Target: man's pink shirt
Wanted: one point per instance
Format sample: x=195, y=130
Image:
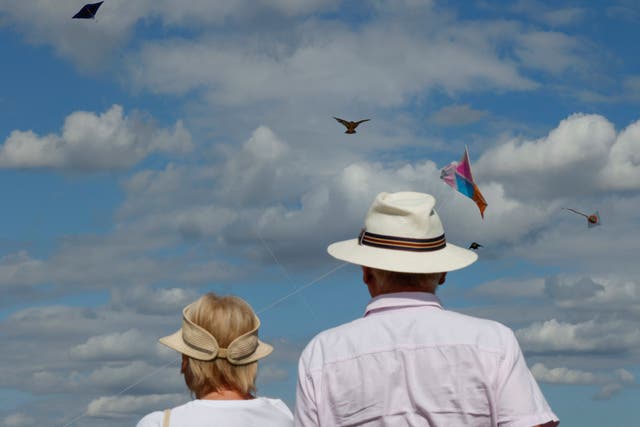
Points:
x=409, y=362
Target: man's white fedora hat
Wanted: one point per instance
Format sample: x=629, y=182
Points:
x=402, y=232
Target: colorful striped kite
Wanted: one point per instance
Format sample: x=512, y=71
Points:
x=458, y=176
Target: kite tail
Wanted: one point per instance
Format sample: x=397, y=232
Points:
x=479, y=200
x=577, y=212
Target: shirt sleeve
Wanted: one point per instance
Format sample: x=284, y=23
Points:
x=306, y=411
x=520, y=402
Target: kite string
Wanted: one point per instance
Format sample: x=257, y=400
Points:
x=301, y=288
x=262, y=310
x=286, y=272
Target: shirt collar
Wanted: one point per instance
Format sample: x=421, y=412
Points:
x=400, y=300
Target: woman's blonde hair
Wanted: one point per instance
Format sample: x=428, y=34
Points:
x=226, y=318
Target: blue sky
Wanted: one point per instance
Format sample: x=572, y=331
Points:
x=169, y=148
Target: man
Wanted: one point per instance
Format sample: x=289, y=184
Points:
x=409, y=362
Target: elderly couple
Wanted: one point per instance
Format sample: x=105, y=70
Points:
x=407, y=362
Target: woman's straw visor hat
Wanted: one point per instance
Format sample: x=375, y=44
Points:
x=198, y=343
x=403, y=233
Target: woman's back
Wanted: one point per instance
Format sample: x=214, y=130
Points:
x=260, y=411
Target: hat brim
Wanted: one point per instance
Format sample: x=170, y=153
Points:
x=449, y=258
x=175, y=342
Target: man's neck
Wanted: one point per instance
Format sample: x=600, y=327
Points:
x=376, y=293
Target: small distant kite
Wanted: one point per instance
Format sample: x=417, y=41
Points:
x=88, y=11
x=351, y=126
x=475, y=245
x=592, y=220
x=458, y=176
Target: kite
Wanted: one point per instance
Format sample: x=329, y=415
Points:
x=475, y=245
x=458, y=176
x=88, y=11
x=351, y=126
x=592, y=220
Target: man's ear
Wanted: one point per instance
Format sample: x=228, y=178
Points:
x=367, y=275
x=370, y=280
x=443, y=278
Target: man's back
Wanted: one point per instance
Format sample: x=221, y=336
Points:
x=408, y=362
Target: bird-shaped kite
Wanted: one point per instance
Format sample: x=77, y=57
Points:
x=458, y=176
x=475, y=245
x=592, y=220
x=351, y=126
x=88, y=11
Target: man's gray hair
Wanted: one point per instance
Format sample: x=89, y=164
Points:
x=388, y=280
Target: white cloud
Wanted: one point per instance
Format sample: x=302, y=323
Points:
x=626, y=90
x=91, y=43
x=552, y=52
x=610, y=383
x=19, y=268
x=114, y=346
x=18, y=420
x=457, y=115
x=565, y=16
x=506, y=288
x=51, y=319
x=580, y=289
x=566, y=238
x=267, y=189
x=507, y=219
x=82, y=359
x=579, y=140
x=88, y=43
x=582, y=156
x=622, y=171
x=616, y=294
x=608, y=390
x=261, y=168
x=375, y=64
x=563, y=375
x=117, y=378
x=91, y=142
x=624, y=376
x=554, y=17
x=202, y=12
x=605, y=337
x=125, y=258
x=143, y=299
x=159, y=191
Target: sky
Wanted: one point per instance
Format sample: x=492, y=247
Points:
x=167, y=149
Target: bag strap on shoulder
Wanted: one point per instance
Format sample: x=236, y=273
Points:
x=165, y=419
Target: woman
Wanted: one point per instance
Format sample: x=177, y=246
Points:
x=220, y=351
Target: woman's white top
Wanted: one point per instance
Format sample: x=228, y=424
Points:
x=260, y=411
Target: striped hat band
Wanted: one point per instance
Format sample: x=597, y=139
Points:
x=401, y=243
